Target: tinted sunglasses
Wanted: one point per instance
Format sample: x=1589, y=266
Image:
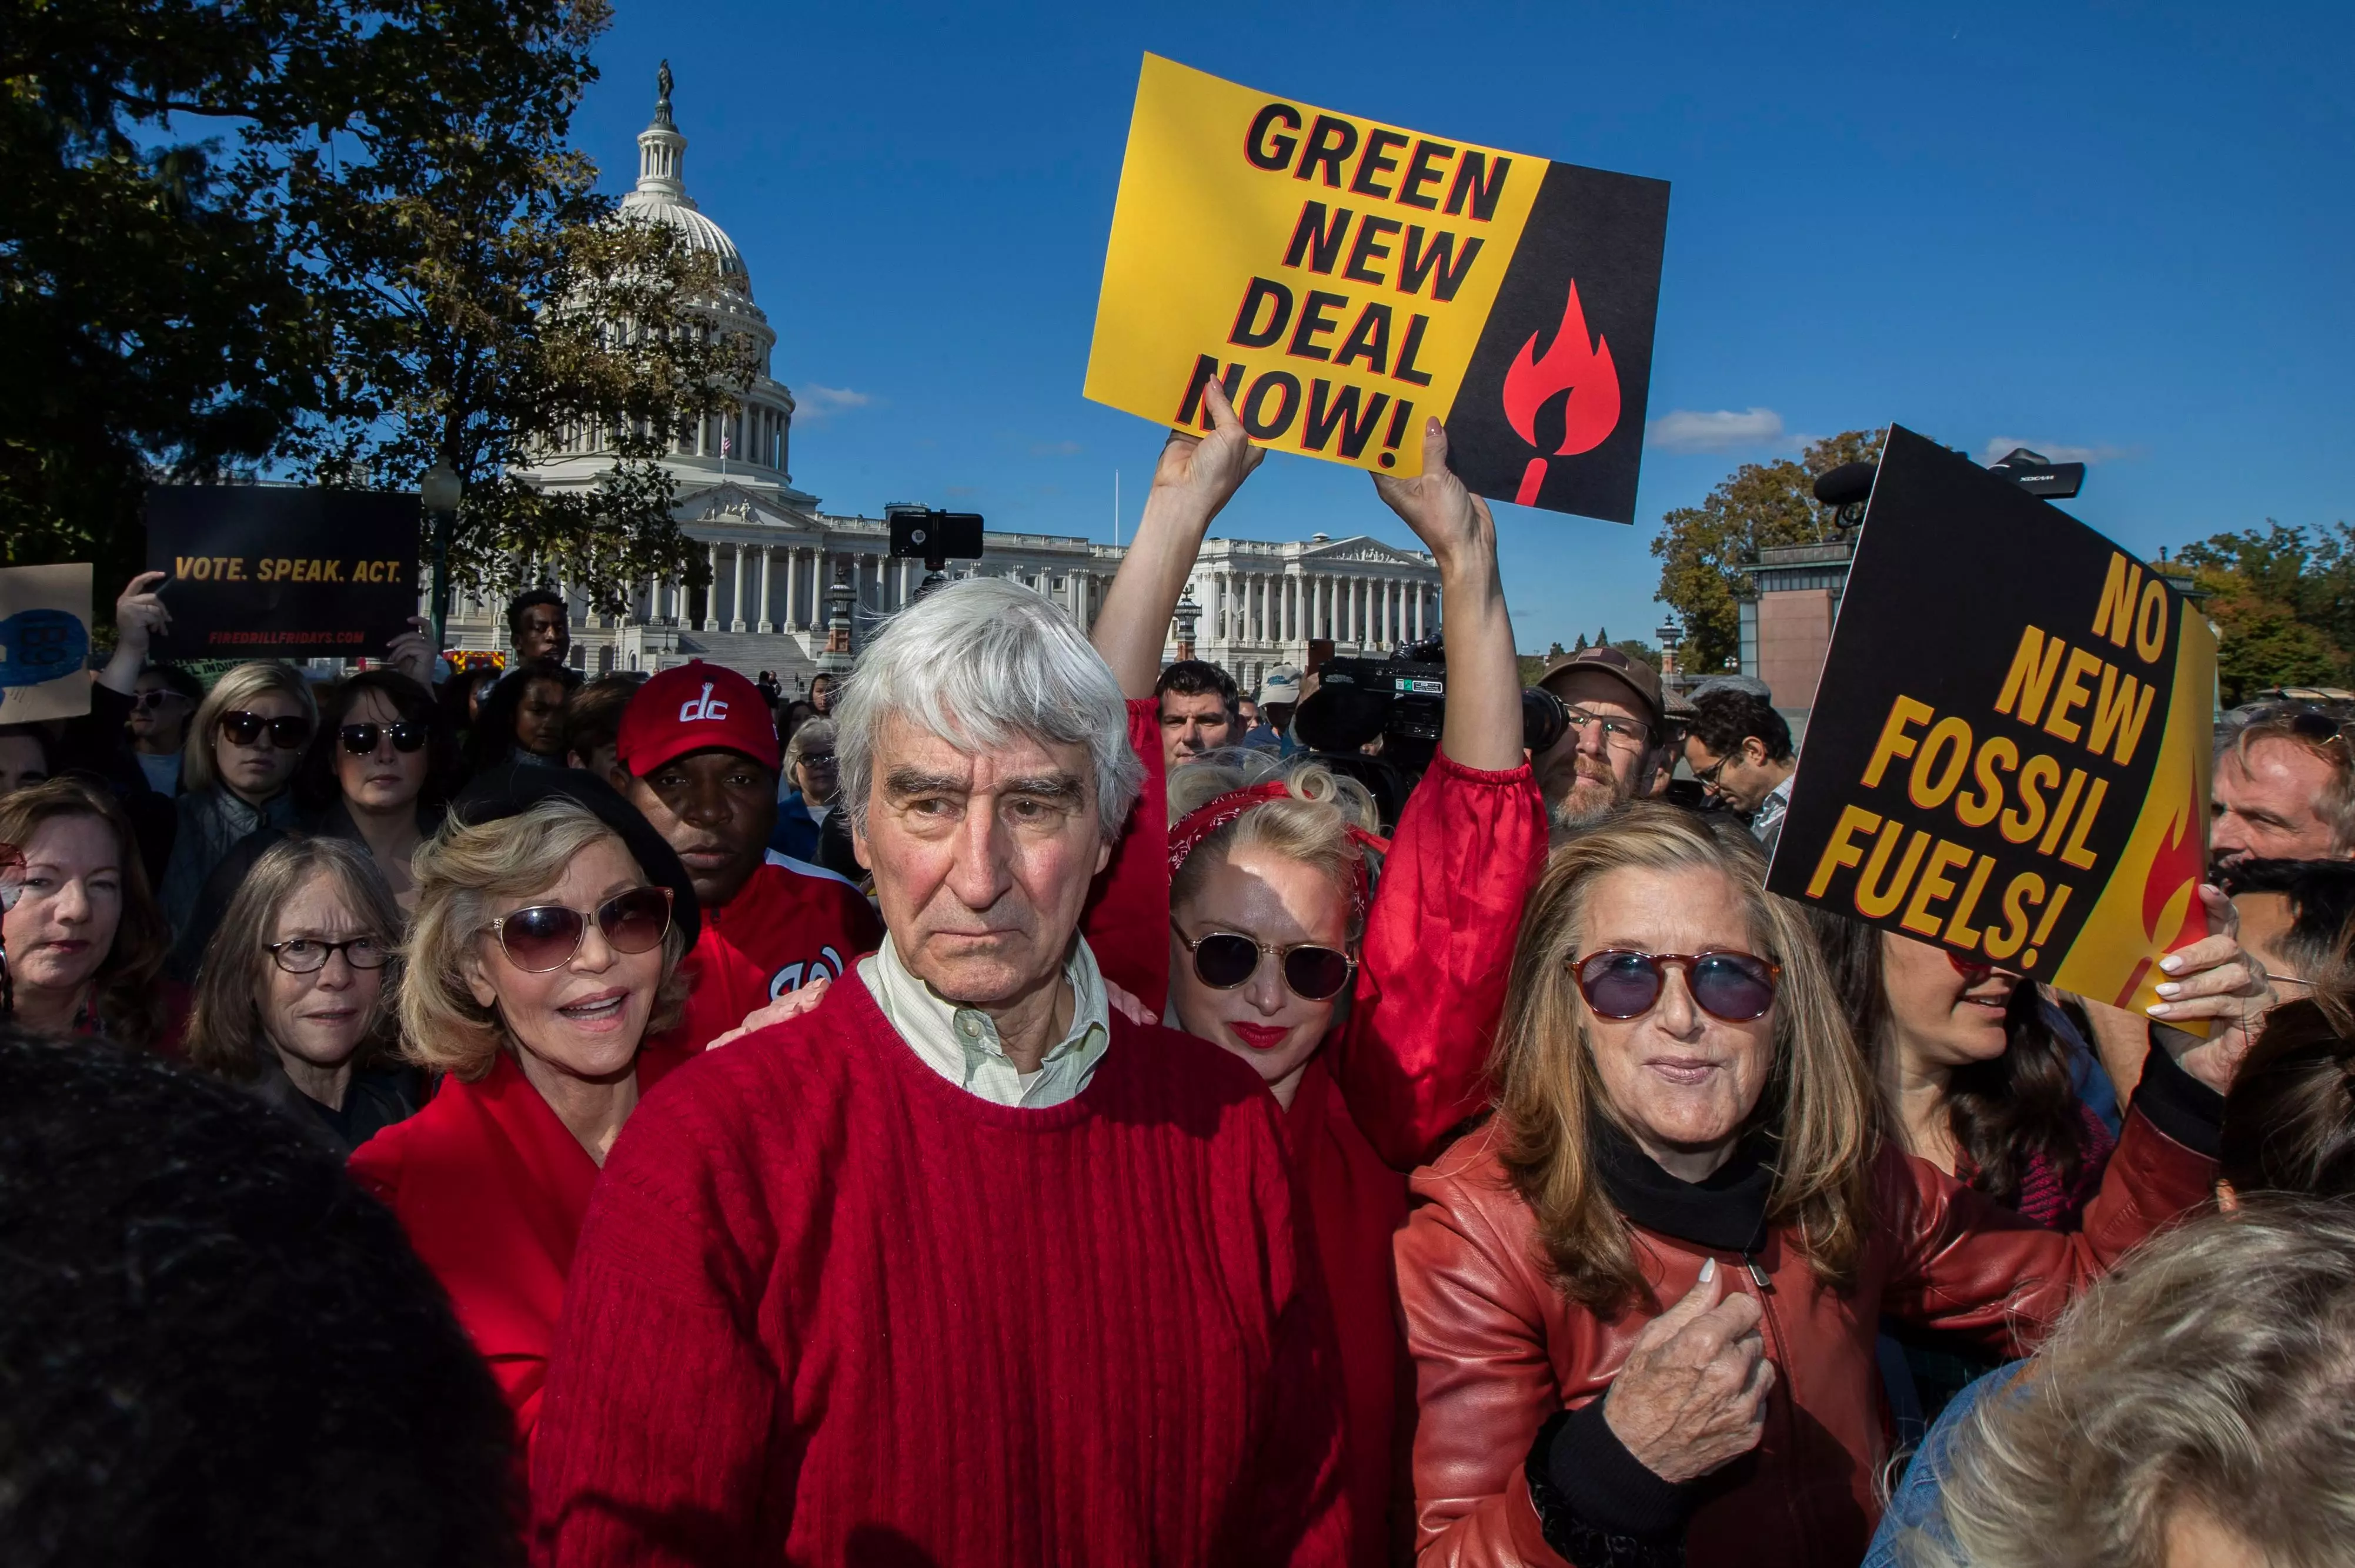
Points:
x=1224, y=961
x=360, y=740
x=244, y=728
x=157, y=698
x=541, y=937
x=1972, y=970
x=1620, y=983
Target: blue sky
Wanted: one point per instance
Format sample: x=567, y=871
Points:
x=2116, y=232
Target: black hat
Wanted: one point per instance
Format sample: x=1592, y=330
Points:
x=514, y=788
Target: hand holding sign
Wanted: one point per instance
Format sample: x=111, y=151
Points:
x=1198, y=475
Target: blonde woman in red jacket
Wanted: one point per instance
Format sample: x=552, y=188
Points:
x=1642, y=1301
x=1274, y=923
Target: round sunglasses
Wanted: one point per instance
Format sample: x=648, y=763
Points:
x=540, y=937
x=360, y=740
x=1620, y=983
x=1224, y=961
x=243, y=729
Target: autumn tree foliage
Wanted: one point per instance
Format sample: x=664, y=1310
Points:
x=2284, y=603
x=1760, y=504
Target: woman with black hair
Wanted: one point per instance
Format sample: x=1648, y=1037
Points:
x=522, y=720
x=377, y=775
x=1977, y=1079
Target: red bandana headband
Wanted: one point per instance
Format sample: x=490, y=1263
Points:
x=1206, y=820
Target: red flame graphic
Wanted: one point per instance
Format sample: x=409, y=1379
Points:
x=1592, y=410
x=2174, y=869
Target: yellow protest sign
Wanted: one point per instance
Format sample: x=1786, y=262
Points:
x=1341, y=278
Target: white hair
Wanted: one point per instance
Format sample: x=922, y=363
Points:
x=2213, y=1372
x=977, y=663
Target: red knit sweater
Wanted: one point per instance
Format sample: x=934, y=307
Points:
x=828, y=1308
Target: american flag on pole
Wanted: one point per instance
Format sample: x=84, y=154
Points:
x=727, y=446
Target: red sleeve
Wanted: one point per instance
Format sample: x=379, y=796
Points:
x=1973, y=1266
x=1126, y=922
x=1437, y=951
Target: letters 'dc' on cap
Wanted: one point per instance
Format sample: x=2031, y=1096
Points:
x=695, y=706
x=1342, y=280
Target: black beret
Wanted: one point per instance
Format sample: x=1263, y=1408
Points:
x=514, y=788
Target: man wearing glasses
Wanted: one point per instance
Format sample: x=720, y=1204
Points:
x=1606, y=755
x=2283, y=789
x=1739, y=750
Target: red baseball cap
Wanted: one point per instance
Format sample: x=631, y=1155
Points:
x=695, y=706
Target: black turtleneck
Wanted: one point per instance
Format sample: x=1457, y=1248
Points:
x=1595, y=1501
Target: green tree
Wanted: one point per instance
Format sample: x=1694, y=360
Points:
x=147, y=325
x=2284, y=604
x=483, y=302
x=1759, y=504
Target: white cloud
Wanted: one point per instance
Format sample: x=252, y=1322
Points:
x=813, y=402
x=1998, y=446
x=1689, y=430
x=1054, y=448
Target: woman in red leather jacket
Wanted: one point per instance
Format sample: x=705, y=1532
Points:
x=1642, y=1301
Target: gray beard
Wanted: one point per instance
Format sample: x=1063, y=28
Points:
x=1582, y=809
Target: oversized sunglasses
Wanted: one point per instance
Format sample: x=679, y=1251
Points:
x=1224, y=961
x=1620, y=983
x=541, y=937
x=360, y=740
x=244, y=728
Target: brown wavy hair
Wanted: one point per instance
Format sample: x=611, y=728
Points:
x=2002, y=1113
x=125, y=993
x=1816, y=1102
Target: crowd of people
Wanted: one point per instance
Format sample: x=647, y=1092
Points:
x=1024, y=1102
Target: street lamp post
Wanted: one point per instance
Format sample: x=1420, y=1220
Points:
x=1188, y=614
x=440, y=492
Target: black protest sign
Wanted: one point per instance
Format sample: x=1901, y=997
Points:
x=273, y=571
x=2010, y=748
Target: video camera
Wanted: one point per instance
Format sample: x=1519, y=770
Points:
x=1401, y=700
x=933, y=536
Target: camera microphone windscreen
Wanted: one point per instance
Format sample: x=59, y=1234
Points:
x=1338, y=718
x=1847, y=485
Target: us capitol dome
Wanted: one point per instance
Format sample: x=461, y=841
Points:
x=794, y=589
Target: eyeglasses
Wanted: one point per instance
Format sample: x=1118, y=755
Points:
x=1620, y=983
x=1224, y=961
x=360, y=740
x=157, y=698
x=818, y=758
x=1707, y=778
x=244, y=728
x=1633, y=731
x=541, y=937
x=308, y=955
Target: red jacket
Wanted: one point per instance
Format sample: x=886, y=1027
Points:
x=1408, y=1066
x=491, y=1189
x=1499, y=1349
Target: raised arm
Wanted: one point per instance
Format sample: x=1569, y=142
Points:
x=1195, y=479
x=1483, y=728
x=1470, y=844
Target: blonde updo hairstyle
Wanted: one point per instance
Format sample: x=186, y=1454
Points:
x=463, y=872
x=1312, y=827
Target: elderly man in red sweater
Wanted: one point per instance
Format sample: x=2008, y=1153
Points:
x=962, y=1266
